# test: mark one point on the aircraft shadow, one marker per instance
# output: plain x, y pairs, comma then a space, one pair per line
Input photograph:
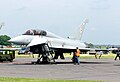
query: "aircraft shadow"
82, 62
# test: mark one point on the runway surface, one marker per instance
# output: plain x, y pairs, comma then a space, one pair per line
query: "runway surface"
89, 69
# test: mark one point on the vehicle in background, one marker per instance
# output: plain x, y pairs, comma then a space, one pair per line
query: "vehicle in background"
7, 55
23, 51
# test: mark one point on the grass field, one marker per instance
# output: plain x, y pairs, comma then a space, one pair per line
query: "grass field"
3, 79
104, 56
82, 56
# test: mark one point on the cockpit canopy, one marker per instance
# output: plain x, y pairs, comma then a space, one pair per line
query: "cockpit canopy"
35, 32
40, 33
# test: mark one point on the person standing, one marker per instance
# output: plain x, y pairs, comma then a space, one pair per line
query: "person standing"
100, 53
77, 55
117, 54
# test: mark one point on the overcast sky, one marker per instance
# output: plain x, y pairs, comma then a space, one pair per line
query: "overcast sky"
62, 17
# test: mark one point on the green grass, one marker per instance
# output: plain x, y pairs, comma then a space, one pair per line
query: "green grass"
23, 56
3, 79
104, 56
82, 56
87, 56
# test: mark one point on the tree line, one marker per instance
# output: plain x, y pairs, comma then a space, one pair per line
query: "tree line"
4, 40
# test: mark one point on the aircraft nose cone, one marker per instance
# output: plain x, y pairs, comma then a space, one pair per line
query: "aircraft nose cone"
20, 40
14, 40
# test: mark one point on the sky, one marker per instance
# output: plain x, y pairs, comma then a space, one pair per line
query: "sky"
62, 17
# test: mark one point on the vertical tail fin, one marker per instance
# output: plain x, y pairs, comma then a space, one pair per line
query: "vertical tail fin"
1, 25
80, 30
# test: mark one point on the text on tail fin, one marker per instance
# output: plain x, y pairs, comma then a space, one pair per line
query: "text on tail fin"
80, 30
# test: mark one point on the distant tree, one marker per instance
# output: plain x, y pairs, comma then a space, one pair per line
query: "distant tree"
89, 45
4, 40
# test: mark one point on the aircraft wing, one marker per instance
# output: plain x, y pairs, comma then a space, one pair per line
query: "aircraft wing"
37, 41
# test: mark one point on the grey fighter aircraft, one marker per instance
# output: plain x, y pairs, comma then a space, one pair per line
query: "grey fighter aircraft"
46, 43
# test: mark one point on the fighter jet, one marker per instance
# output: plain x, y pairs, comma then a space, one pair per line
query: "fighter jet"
46, 43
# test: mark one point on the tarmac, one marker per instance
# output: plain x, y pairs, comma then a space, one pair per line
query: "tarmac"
89, 69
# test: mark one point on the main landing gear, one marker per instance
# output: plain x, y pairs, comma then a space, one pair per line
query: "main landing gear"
45, 55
